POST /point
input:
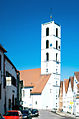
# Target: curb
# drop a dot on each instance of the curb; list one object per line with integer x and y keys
{"x": 65, "y": 115}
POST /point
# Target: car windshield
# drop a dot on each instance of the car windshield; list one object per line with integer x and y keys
{"x": 25, "y": 112}
{"x": 0, "y": 116}
{"x": 34, "y": 110}
{"x": 11, "y": 114}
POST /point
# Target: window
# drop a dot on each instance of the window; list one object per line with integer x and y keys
{"x": 46, "y": 70}
{"x": 56, "y": 32}
{"x": 0, "y": 62}
{"x": 9, "y": 104}
{"x": 56, "y": 56}
{"x": 47, "y": 44}
{"x": 56, "y": 104}
{"x": 0, "y": 91}
{"x": 13, "y": 81}
{"x": 23, "y": 93}
{"x": 8, "y": 81}
{"x": 47, "y": 56}
{"x": 56, "y": 44}
{"x": 47, "y": 31}
{"x": 56, "y": 82}
{"x": 36, "y": 102}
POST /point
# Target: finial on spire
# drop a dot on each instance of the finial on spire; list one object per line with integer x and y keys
{"x": 50, "y": 14}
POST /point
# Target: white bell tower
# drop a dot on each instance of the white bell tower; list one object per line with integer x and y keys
{"x": 51, "y": 57}
{"x": 50, "y": 48}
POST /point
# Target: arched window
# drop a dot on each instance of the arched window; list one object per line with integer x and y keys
{"x": 47, "y": 56}
{"x": 47, "y": 44}
{"x": 47, "y": 31}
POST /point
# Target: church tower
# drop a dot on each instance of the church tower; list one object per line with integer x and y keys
{"x": 50, "y": 48}
{"x": 51, "y": 56}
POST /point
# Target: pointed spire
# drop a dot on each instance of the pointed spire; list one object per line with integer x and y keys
{"x": 51, "y": 14}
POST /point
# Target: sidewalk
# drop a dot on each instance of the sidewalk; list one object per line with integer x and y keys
{"x": 66, "y": 114}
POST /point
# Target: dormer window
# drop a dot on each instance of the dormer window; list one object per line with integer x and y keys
{"x": 47, "y": 31}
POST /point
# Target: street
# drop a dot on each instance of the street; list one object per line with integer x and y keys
{"x": 44, "y": 114}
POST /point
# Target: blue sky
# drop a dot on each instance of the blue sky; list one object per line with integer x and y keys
{"x": 20, "y": 31}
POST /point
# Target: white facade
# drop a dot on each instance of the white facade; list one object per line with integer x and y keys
{"x": 50, "y": 57}
{"x": 26, "y": 98}
{"x": 48, "y": 99}
{"x": 53, "y": 49}
{"x": 71, "y": 97}
{"x": 68, "y": 99}
{"x": 50, "y": 64}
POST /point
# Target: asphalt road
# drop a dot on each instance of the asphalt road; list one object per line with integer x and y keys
{"x": 44, "y": 114}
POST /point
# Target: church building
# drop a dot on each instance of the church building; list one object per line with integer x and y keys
{"x": 41, "y": 85}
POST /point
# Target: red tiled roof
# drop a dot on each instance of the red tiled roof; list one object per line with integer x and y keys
{"x": 33, "y": 78}
{"x": 30, "y": 77}
{"x": 78, "y": 85}
{"x": 77, "y": 75}
{"x": 72, "y": 80}
{"x": 66, "y": 83}
{"x": 40, "y": 84}
{"x": 61, "y": 84}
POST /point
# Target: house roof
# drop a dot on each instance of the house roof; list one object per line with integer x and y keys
{"x": 61, "y": 88}
{"x": 61, "y": 84}
{"x": 2, "y": 49}
{"x": 72, "y": 82}
{"x": 40, "y": 84}
{"x": 10, "y": 62}
{"x": 77, "y": 75}
{"x": 33, "y": 78}
{"x": 66, "y": 83}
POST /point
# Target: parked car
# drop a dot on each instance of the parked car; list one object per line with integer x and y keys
{"x": 13, "y": 114}
{"x": 26, "y": 114}
{"x": 34, "y": 112}
{"x": 1, "y": 117}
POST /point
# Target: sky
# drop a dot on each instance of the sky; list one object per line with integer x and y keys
{"x": 20, "y": 32}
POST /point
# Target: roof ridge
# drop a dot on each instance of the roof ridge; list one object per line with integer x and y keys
{"x": 29, "y": 69}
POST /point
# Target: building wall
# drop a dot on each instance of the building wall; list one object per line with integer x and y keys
{"x": 2, "y": 100}
{"x": 48, "y": 99}
{"x": 53, "y": 65}
{"x": 26, "y": 97}
{"x": 70, "y": 99}
{"x": 76, "y": 97}
{"x": 64, "y": 98}
{"x": 11, "y": 90}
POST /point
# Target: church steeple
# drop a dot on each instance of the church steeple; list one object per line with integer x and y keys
{"x": 51, "y": 18}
